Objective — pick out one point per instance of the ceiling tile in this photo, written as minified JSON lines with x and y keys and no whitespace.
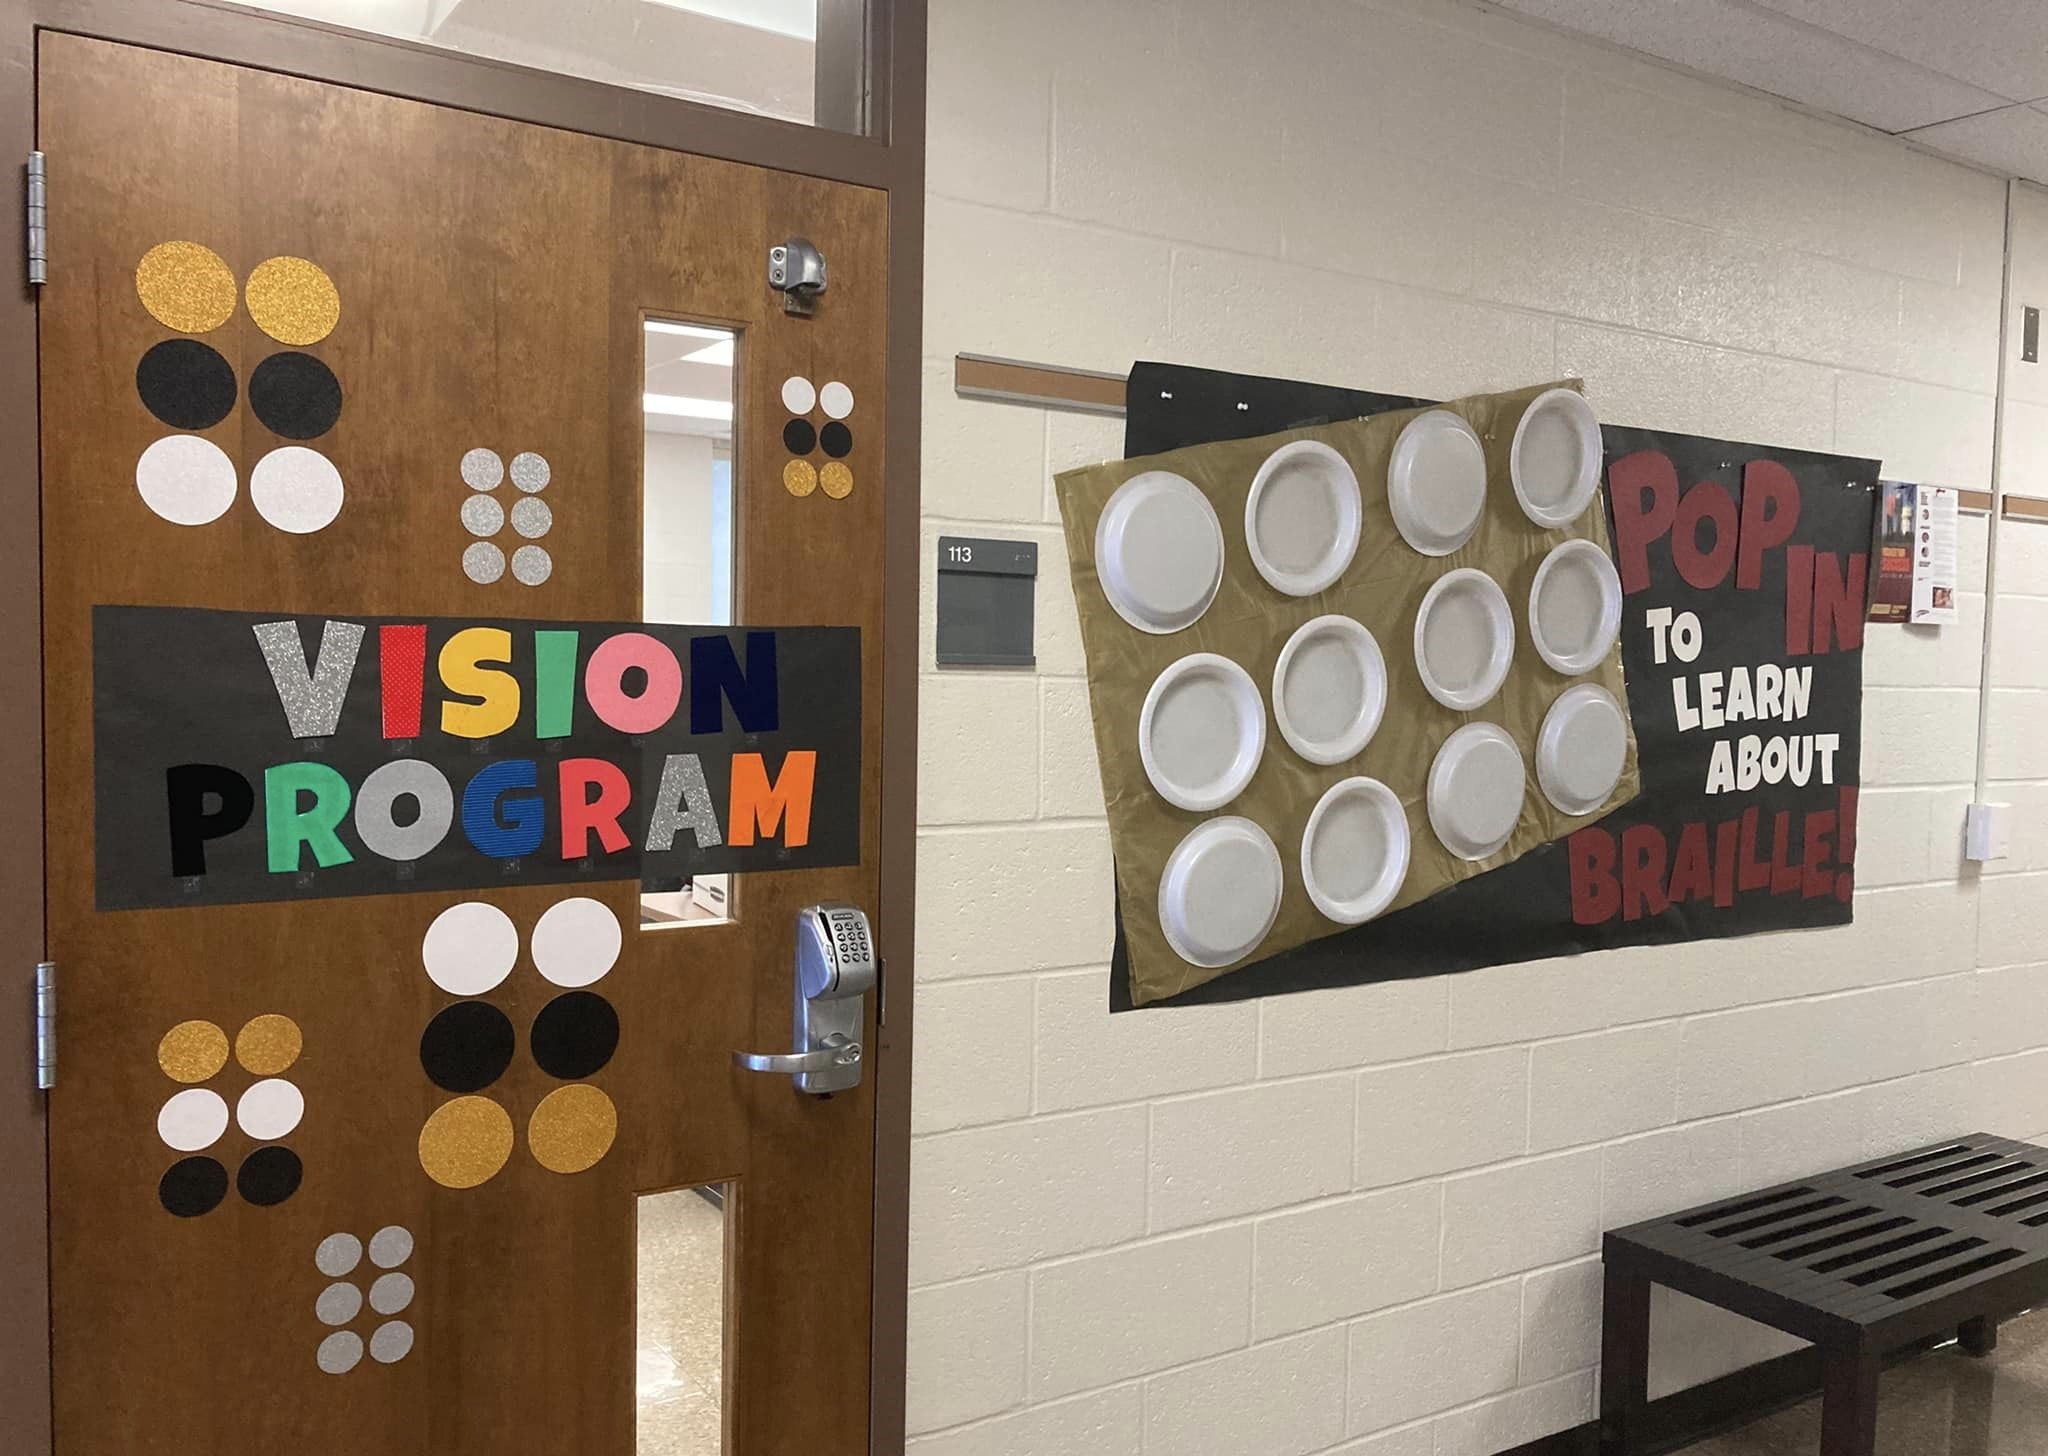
{"x":2000,"y":45}
{"x":1773,"y":53}
{"x":2013,"y":141}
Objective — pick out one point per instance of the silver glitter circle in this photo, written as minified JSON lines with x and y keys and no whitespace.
{"x":391,"y":1343}
{"x":337,"y":1254}
{"x":532,"y":565}
{"x":340,"y":1352}
{"x":338,"y":1304}
{"x":531,"y":517}
{"x":390,"y":1246}
{"x":482,"y":469}
{"x":530,"y":471}
{"x":391,"y":1293}
{"x":483,"y":516}
{"x":483,"y":563}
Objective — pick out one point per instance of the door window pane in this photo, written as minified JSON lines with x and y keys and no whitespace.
{"x":760,"y":56}
{"x":680,"y":1366}
{"x":687,"y":540}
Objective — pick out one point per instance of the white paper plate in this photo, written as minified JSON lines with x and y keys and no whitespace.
{"x":1301,"y":519}
{"x":1554,"y":460}
{"x":1575,"y":607}
{"x":1581,"y":748}
{"x":1202,"y":731}
{"x":1354,"y":853}
{"x":1475,"y":790}
{"x":1464,"y":639}
{"x":1436,"y":482}
{"x":1220,"y":892}
{"x":1159,"y":552}
{"x":1329,"y":689}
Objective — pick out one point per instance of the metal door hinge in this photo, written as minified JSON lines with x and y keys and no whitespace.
{"x":38,"y":221}
{"x":46,"y":1025}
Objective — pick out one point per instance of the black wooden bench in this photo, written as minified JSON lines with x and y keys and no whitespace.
{"x":1861,"y":1262}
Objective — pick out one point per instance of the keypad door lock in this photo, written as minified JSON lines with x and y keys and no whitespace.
{"x":834,"y":969}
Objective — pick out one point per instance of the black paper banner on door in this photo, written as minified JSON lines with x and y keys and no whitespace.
{"x":1738,"y":562}
{"x":243,"y":756}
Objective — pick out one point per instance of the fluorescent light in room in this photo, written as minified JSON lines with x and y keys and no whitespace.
{"x":719,"y":351}
{"x":686,"y":331}
{"x":687,"y":406}
{"x":797,"y":18}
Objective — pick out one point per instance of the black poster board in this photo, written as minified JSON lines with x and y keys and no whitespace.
{"x":243,"y":756}
{"x":1680,"y":862}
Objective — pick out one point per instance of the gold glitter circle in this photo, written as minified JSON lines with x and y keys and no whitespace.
{"x":799,"y":478}
{"x":836,"y":479}
{"x":192,"y":1051}
{"x":186,"y":287}
{"x":293,"y":301}
{"x":572,"y":1128}
{"x":268,"y":1044}
{"x":465,"y":1142}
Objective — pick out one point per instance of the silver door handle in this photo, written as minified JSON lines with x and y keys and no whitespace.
{"x":836,"y":1052}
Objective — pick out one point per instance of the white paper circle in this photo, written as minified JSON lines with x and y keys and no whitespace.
{"x":1476,"y":786}
{"x":1555,"y":458}
{"x":1354,"y":853}
{"x":482,"y":469}
{"x":1575,"y":607}
{"x":340,"y":1352}
{"x":531,"y":565}
{"x":530,"y":471}
{"x":338,"y":1303}
{"x":337,"y":1254}
{"x":296,"y":489}
{"x":391,"y":1293}
{"x":798,"y":394}
{"x":192,"y":1119}
{"x":1464,"y":639}
{"x":531,"y":517}
{"x":482,"y":515}
{"x":1220,"y":892}
{"x":1329,"y":689}
{"x":1581,"y":748}
{"x":1159,"y":552}
{"x":836,"y":400}
{"x":577,"y":941}
{"x":186,"y":480}
{"x":470,"y":948}
{"x":390,"y":1246}
{"x":1301,"y":519}
{"x":1201,"y":732}
{"x":391,"y":1343}
{"x":270,"y":1109}
{"x":1436,"y":482}
{"x":482,"y":562}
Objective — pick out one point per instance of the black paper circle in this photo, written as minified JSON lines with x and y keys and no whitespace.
{"x":467,"y":1046}
{"x":798,"y":437}
{"x":192,"y":1186}
{"x":269,"y":1176}
{"x":186,"y":384}
{"x":575,"y":1035}
{"x":295,"y":395}
{"x":837,"y":440}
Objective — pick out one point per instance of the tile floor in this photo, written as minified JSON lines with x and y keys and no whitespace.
{"x":1943,"y":1404}
{"x":681,"y":1325}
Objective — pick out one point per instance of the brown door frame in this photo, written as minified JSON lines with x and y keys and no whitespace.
{"x":891,"y":158}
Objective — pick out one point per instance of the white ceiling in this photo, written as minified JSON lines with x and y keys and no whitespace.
{"x":1966,"y":77}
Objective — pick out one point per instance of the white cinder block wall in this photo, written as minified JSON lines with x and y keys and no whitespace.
{"x":1366,"y":1220}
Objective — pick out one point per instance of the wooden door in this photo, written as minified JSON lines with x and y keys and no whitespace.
{"x":470,"y":284}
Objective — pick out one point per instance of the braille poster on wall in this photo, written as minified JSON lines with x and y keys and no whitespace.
{"x":242,"y":756}
{"x":1743,"y":572}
